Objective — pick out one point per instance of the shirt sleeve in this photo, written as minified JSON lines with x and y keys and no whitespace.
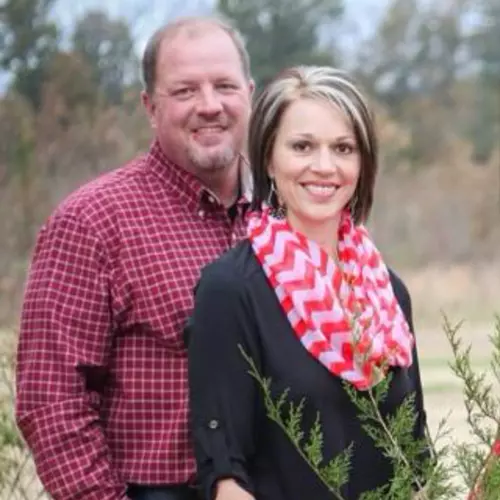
{"x":223,"y":395}
{"x":63,"y":350}
{"x":421,"y":422}
{"x":415,"y":374}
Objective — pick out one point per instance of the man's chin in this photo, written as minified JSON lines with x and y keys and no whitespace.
{"x":208,"y":159}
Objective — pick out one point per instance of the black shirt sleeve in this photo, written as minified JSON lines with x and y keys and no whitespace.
{"x":401,"y":292}
{"x":223,"y":396}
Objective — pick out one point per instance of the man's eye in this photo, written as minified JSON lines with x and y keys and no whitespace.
{"x":182,"y":92}
{"x":226,"y":86}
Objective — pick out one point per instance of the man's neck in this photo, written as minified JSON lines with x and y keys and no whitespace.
{"x":225,"y":184}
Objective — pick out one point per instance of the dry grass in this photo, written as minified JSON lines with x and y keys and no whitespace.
{"x":18,"y":480}
{"x":464,"y":292}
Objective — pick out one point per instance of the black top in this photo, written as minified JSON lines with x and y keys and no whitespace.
{"x":233,"y":436}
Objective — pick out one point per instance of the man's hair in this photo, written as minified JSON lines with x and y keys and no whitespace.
{"x":192,"y":25}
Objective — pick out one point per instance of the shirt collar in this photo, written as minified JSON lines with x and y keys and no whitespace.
{"x":245,"y":185}
{"x":188,"y":186}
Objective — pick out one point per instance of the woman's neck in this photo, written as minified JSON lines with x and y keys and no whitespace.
{"x":324,"y":234}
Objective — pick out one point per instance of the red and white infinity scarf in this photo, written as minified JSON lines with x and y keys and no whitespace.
{"x":348,"y":318}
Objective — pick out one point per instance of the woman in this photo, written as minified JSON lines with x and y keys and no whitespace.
{"x":306,"y":297}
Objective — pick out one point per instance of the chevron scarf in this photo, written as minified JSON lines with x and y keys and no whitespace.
{"x":344,"y":313}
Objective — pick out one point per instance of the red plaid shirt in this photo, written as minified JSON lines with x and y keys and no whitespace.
{"x":102,"y":376}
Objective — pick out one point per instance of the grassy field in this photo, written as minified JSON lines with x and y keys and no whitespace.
{"x":442,"y":389}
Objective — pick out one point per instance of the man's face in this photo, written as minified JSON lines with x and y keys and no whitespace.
{"x":201,"y":104}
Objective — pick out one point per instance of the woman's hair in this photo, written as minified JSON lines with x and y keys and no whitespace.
{"x":321,"y":83}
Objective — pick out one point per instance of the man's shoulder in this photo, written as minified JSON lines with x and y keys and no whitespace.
{"x":102,"y":192}
{"x":101,"y":205}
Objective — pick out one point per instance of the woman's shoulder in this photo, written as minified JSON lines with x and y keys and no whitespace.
{"x":399,"y":287}
{"x":402,"y":296}
{"x":234,"y":267}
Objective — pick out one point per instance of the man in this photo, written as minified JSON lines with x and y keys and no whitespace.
{"x":101,"y":376}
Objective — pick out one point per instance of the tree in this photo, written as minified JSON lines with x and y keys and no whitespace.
{"x":69,"y":95}
{"x":27,"y":42}
{"x":108,"y":48}
{"x":17,"y":153}
{"x":415,"y":50}
{"x":281,"y":33}
{"x":484,"y":45}
{"x":412,"y":65}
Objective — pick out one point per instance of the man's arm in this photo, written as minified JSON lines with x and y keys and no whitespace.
{"x":64,"y":344}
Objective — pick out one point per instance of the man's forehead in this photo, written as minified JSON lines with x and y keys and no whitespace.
{"x":217,"y":54}
{"x":200,"y":35}
{"x":195,"y":29}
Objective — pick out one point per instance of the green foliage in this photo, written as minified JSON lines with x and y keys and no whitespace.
{"x":478,"y":462}
{"x":17,"y":475}
{"x":333,"y":474}
{"x":414,"y":461}
{"x":70,"y":92}
{"x":108,"y":48}
{"x":17,"y":131}
{"x":424,"y":465}
{"x":492,"y":482}
{"x":28,"y":40}
{"x":484,"y":42}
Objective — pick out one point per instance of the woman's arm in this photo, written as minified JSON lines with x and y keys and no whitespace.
{"x":223,"y":396}
{"x":404,"y":298}
{"x":229,"y":489}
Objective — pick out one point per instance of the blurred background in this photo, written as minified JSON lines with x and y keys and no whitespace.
{"x":70,"y":110}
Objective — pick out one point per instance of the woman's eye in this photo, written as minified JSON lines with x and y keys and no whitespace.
{"x":344,"y":148}
{"x":301,"y":146}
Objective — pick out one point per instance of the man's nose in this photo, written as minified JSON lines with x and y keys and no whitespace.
{"x":209,"y":102}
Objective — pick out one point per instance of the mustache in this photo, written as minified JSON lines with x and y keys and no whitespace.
{"x":216,"y":122}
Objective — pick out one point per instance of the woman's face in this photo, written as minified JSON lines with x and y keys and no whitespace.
{"x":315,"y":163}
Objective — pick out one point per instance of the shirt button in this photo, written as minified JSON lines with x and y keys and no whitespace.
{"x":201,"y":213}
{"x":213,"y":424}
{"x":234,"y":239}
{"x":211,"y":199}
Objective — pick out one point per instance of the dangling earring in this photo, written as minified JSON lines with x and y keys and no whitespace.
{"x":276,"y":209}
